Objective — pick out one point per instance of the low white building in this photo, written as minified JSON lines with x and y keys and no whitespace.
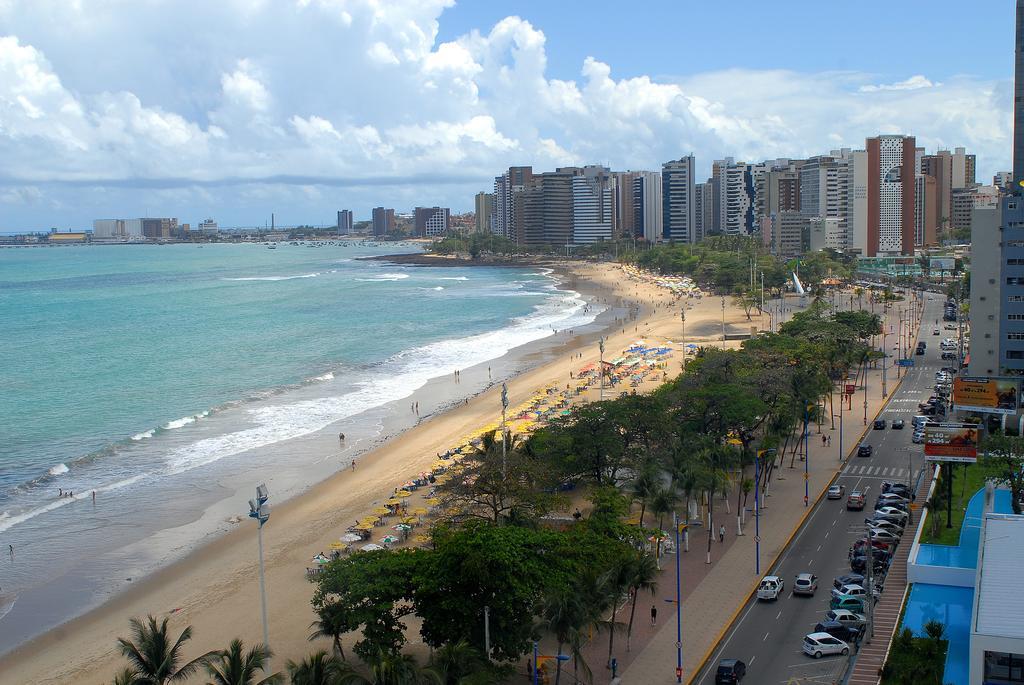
{"x":997,"y":618}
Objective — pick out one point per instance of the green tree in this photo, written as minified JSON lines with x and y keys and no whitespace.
{"x":643,"y":578}
{"x":235,"y":666}
{"x":1003,"y":459}
{"x":388,"y":668}
{"x":319,"y":668}
{"x":459,"y":663}
{"x":334,"y":622}
{"x":154,"y":657}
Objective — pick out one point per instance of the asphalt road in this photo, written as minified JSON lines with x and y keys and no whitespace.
{"x":768,"y":635}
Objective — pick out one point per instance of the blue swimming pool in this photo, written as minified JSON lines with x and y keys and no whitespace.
{"x":951,"y":606}
{"x":965,"y":555}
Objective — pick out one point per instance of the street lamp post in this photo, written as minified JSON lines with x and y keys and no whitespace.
{"x":885,"y":356}
{"x":259,"y":510}
{"x":537,"y":658}
{"x":807,"y":457}
{"x":723,"y":323}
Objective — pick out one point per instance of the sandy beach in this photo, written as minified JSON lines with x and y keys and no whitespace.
{"x":214,"y":589}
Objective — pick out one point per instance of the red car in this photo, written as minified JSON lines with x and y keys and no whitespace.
{"x":855,"y":502}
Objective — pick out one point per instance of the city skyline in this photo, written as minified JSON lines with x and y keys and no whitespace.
{"x":434,"y":97}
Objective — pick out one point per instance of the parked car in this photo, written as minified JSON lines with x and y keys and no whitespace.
{"x":864,"y":451}
{"x":770,"y":588}
{"x":848,"y":579}
{"x":853,"y":590}
{"x":897,"y":424}
{"x":890,"y":526}
{"x":846,"y":633}
{"x":822,"y":644}
{"x":893,"y":499}
{"x":836,"y":491}
{"x":935,"y":331}
{"x":880,"y":546}
{"x":901,"y":489}
{"x":885,"y":535}
{"x":919,"y":420}
{"x":858,"y":564}
{"x":917,"y":438}
{"x":892,"y":514}
{"x":805,"y":584}
{"x":879,"y":424}
{"x":847,"y":618}
{"x":948,"y":355}
{"x":949,"y":327}
{"x":730,"y":671}
{"x":900,"y":505}
{"x":919,"y":351}
{"x":855,"y":502}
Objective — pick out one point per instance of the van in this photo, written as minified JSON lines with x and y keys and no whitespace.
{"x":848,"y":602}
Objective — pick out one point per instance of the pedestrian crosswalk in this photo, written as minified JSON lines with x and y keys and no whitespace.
{"x":877,"y":471}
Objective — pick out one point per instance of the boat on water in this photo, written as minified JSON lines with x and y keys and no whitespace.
{"x":272,"y":246}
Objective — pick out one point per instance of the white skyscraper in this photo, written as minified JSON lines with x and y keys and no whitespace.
{"x":592,"y":211}
{"x":647,"y":205}
{"x":678,"y":206}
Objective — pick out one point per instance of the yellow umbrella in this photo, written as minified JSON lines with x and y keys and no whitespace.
{"x":409,"y":520}
{"x":338,"y":545}
{"x":382,"y":511}
{"x":393,"y":501}
{"x":369,"y":519}
{"x":433,"y":501}
{"x":421,"y":538}
{"x":363,"y":526}
{"x":442,"y":477}
{"x":403,"y":493}
{"x":420,"y":511}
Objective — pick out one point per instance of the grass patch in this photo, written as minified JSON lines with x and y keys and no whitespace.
{"x":916,"y":660}
{"x":967,"y":480}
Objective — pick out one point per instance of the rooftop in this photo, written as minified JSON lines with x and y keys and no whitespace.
{"x":1000,"y":601}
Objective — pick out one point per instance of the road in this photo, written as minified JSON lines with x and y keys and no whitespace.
{"x":768,"y":635}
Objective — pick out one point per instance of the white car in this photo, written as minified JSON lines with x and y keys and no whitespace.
{"x":851,"y":590}
{"x":836,"y":491}
{"x":891,"y":526}
{"x":823,"y":644}
{"x":891,"y":514}
{"x":884,"y":535}
{"x":846,"y":617}
{"x":770,"y":588}
{"x":935,"y":331}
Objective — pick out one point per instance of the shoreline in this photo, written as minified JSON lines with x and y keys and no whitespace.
{"x":213,"y":587}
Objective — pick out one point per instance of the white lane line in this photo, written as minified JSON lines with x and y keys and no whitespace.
{"x":780,"y":612}
{"x":751,"y":660}
{"x":819,"y":549}
{"x":765,"y":638}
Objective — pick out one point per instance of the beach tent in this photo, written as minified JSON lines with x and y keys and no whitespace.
{"x":372,"y":547}
{"x":350,"y":537}
{"x":389,"y":539}
{"x":402,"y":526}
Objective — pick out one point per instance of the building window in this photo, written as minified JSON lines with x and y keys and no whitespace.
{"x":1015,"y":298}
{"x":1015,"y":336}
{"x":1015,"y":317}
{"x":1012,"y":280}
{"x":1001,"y":667}
{"x":1014,"y":354}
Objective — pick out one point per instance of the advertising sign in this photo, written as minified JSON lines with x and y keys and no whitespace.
{"x":993,"y":395}
{"x":942,"y":263}
{"x":850,"y":388}
{"x":951,"y":442}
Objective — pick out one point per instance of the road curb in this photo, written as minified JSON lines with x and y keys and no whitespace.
{"x":803,"y":519}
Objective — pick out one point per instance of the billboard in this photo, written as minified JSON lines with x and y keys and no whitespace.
{"x":942,"y":264}
{"x":992,"y":395}
{"x":951,"y":442}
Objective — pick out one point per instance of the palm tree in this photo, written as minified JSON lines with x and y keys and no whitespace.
{"x":643,"y":576}
{"x":459,"y":663}
{"x":618,"y":579}
{"x":388,"y":669}
{"x":333,"y":623}
{"x":235,"y":666}
{"x":154,"y":657}
{"x":319,"y":668}
{"x":126,"y":677}
{"x":565,"y":614}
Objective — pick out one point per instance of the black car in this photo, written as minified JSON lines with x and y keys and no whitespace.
{"x":897,"y":424}
{"x":949,"y":355}
{"x":848,"y":579}
{"x":879,"y":424}
{"x":857,"y":565}
{"x":846,"y":633}
{"x":919,"y":351}
{"x":730,"y":671}
{"x":901,"y":489}
{"x":864,"y":451}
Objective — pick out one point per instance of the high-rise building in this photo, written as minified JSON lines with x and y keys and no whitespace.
{"x":856,"y":230}
{"x":926,"y":211}
{"x":506,"y":186}
{"x":890,"y":220}
{"x":544,"y":209}
{"x":784,"y":233}
{"x":704,"y":209}
{"x":1002,"y":179}
{"x":648,"y":212}
{"x":718,"y":198}
{"x":592,"y":205}
{"x":737,"y":193}
{"x":1018,"y":98}
{"x":344,"y":221}
{"x":431,"y":222}
{"x":484,"y":208}
{"x":383,"y":221}
{"x":677,"y":201}
{"x":623,"y":201}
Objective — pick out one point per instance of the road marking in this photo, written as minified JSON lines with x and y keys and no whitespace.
{"x":765,"y":638}
{"x":780,"y":612}
{"x":827,"y":532}
{"x":751,"y":660}
{"x":819,"y":548}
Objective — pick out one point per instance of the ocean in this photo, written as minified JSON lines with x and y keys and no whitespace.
{"x":168,"y":379}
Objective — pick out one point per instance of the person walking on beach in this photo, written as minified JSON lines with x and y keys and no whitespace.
{"x":654,"y":615}
{"x":721,"y":533}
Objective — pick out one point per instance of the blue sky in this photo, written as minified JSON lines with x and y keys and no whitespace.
{"x":238,"y":108}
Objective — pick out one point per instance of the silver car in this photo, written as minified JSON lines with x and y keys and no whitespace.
{"x":805,"y":584}
{"x":822,"y":644}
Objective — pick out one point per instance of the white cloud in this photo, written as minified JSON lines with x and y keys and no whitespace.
{"x":912,"y":83}
{"x":357,"y":93}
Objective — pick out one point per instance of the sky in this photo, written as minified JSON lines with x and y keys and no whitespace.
{"x":235,"y":109}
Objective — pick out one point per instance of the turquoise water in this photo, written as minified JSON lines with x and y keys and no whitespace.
{"x":164,"y":378}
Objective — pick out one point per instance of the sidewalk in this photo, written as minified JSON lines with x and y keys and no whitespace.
{"x":713,"y":595}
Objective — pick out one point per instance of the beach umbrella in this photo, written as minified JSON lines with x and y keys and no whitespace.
{"x":433,"y":501}
{"x":369,"y":519}
{"x":421,"y":538}
{"x":389,"y":539}
{"x":402,"y":526}
{"x":381,"y":511}
{"x":441,"y":478}
{"x":412,"y":520}
{"x":364,"y":526}
{"x":393,"y":501}
{"x":339,"y":545}
{"x":403,"y":493}
{"x":350,"y":537}
{"x":372,"y":547}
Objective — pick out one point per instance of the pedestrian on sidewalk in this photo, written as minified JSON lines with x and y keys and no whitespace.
{"x":721,"y":533}
{"x":654,"y":615}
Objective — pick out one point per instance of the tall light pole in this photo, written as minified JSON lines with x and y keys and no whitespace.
{"x":259,"y":510}
{"x":682,"y":318}
{"x":723,"y":323}
{"x":600,"y":346}
{"x":504,"y":407}
{"x":885,"y":356}
{"x":807,"y":457}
